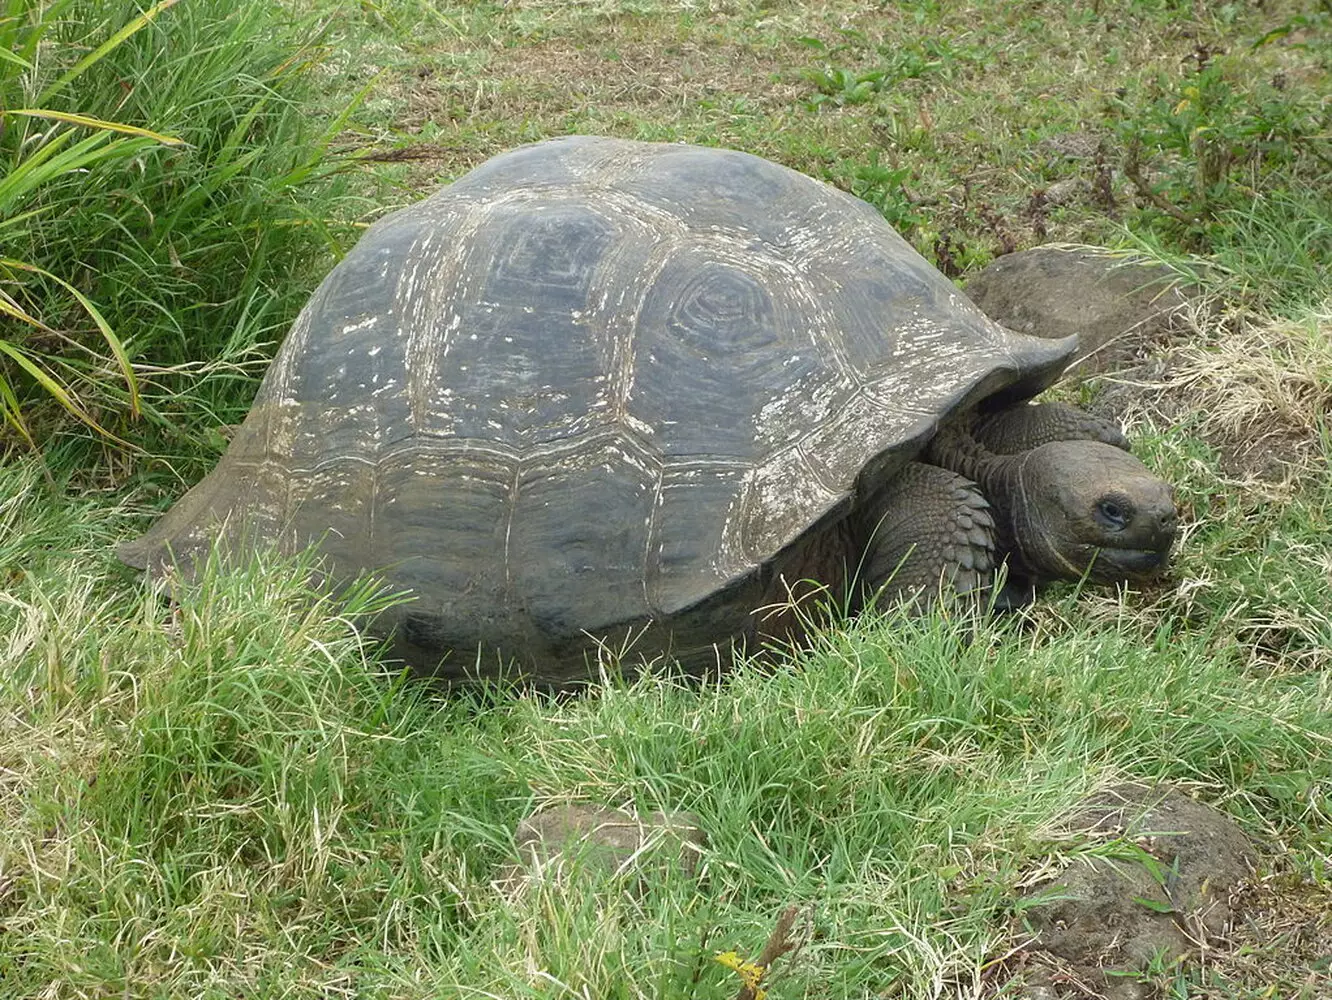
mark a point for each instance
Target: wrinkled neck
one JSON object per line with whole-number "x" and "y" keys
{"x": 955, "y": 448}
{"x": 999, "y": 477}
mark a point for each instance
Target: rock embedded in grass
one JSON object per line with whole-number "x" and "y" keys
{"x": 1156, "y": 902}
{"x": 1075, "y": 145}
{"x": 607, "y": 841}
{"x": 1065, "y": 192}
{"x": 1117, "y": 308}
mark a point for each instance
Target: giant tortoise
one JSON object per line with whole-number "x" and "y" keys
{"x": 610, "y": 397}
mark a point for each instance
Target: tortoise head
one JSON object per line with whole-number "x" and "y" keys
{"x": 1086, "y": 508}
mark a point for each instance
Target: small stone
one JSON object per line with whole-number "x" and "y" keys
{"x": 1074, "y": 145}
{"x": 1065, "y": 191}
{"x": 606, "y": 840}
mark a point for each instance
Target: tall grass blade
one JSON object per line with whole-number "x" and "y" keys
{"x": 157, "y": 180}
{"x": 19, "y": 61}
{"x": 79, "y": 68}
{"x": 51, "y": 163}
{"x": 90, "y": 122}
{"x": 57, "y": 391}
{"x": 10, "y": 308}
{"x": 13, "y": 412}
{"x": 112, "y": 341}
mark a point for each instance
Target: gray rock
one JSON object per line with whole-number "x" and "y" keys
{"x": 1122, "y": 913}
{"x": 1207, "y": 853}
{"x": 606, "y": 841}
{"x": 1116, "y": 308}
{"x": 1065, "y": 191}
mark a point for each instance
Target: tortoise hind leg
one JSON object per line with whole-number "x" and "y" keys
{"x": 928, "y": 533}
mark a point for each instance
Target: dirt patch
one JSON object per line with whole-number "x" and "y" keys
{"x": 1284, "y": 944}
{"x": 617, "y": 70}
{"x": 562, "y": 74}
{"x": 620, "y": 81}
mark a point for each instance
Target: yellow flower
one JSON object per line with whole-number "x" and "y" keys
{"x": 1191, "y": 96}
{"x": 750, "y": 974}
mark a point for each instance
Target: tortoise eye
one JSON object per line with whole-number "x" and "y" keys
{"x": 1113, "y": 513}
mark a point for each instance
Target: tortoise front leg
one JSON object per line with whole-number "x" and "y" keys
{"x": 928, "y": 532}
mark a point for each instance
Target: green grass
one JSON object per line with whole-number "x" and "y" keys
{"x": 235, "y": 795}
{"x": 957, "y": 119}
{"x": 192, "y": 251}
{"x": 229, "y": 795}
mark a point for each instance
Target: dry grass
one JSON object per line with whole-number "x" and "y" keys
{"x": 1262, "y": 392}
{"x": 1257, "y": 390}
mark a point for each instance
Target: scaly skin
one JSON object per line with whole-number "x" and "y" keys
{"x": 1065, "y": 508}
{"x": 926, "y": 529}
{"x": 1016, "y": 429}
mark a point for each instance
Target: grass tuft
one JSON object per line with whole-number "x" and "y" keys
{"x": 166, "y": 243}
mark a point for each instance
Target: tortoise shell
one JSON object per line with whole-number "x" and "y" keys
{"x": 595, "y": 384}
